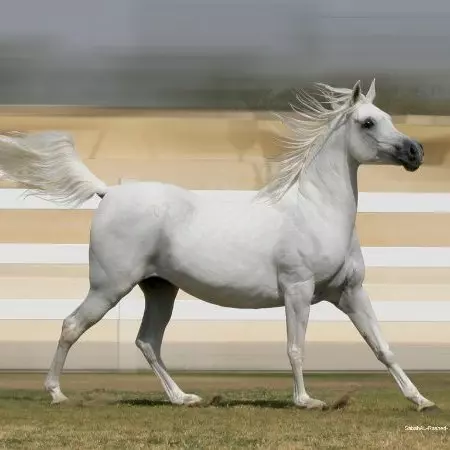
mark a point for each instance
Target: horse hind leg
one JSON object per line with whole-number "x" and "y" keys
{"x": 100, "y": 299}
{"x": 159, "y": 300}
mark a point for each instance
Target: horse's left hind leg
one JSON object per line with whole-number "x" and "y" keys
{"x": 159, "y": 299}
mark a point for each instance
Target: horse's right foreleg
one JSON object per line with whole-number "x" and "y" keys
{"x": 297, "y": 298}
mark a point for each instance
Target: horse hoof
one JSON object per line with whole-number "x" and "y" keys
{"x": 60, "y": 398}
{"x": 188, "y": 399}
{"x": 312, "y": 403}
{"x": 317, "y": 404}
{"x": 429, "y": 407}
{"x": 191, "y": 399}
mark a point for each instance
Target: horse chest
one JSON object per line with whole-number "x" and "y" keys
{"x": 331, "y": 243}
{"x": 328, "y": 258}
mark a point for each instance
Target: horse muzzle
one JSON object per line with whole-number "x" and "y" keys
{"x": 410, "y": 155}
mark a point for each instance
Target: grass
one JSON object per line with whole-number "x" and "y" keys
{"x": 255, "y": 411}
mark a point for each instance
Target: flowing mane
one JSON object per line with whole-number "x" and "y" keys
{"x": 311, "y": 125}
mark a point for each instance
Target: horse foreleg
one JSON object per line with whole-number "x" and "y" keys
{"x": 356, "y": 304}
{"x": 159, "y": 299}
{"x": 297, "y": 297}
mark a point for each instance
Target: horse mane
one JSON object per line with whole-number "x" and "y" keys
{"x": 311, "y": 126}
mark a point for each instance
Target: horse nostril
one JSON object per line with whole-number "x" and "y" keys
{"x": 413, "y": 152}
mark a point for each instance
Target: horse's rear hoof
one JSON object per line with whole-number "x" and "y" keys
{"x": 429, "y": 409}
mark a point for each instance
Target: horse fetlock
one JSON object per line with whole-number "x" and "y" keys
{"x": 52, "y": 387}
{"x": 51, "y": 383}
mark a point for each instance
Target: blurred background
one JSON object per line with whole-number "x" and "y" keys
{"x": 179, "y": 91}
{"x": 222, "y": 53}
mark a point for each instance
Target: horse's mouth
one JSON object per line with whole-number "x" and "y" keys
{"x": 411, "y": 168}
{"x": 411, "y": 157}
{"x": 410, "y": 165}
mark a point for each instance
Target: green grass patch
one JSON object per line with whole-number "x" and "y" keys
{"x": 251, "y": 411}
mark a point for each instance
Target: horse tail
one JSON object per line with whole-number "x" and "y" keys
{"x": 47, "y": 164}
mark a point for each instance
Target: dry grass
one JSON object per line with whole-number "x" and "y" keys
{"x": 254, "y": 411}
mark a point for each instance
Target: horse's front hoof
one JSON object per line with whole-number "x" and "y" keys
{"x": 188, "y": 399}
{"x": 192, "y": 399}
{"x": 311, "y": 403}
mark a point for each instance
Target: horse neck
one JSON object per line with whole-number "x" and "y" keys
{"x": 329, "y": 185}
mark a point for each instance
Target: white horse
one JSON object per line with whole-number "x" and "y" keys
{"x": 295, "y": 244}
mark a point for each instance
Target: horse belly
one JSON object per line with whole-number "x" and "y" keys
{"x": 223, "y": 254}
{"x": 243, "y": 297}
{"x": 224, "y": 281}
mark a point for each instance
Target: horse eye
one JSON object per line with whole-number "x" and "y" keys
{"x": 368, "y": 123}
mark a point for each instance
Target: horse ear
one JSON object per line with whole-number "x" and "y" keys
{"x": 370, "y": 96}
{"x": 356, "y": 93}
